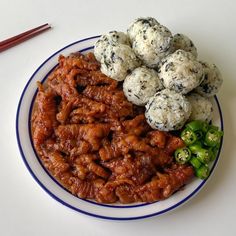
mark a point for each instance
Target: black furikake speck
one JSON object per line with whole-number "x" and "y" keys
{"x": 113, "y": 32}
{"x": 206, "y": 88}
{"x": 143, "y": 87}
{"x": 179, "y": 87}
{"x": 106, "y": 63}
{"x": 145, "y": 22}
{"x": 169, "y": 66}
{"x": 163, "y": 62}
{"x": 149, "y": 105}
{"x": 113, "y": 57}
{"x": 191, "y": 43}
{"x": 193, "y": 70}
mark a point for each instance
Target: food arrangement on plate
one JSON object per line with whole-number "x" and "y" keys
{"x": 131, "y": 122}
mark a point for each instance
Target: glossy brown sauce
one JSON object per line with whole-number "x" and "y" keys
{"x": 96, "y": 143}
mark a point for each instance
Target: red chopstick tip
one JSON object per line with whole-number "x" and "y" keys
{"x": 13, "y": 41}
{"x": 48, "y": 25}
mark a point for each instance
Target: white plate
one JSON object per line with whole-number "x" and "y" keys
{"x": 52, "y": 187}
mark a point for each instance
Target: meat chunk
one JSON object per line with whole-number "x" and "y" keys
{"x": 92, "y": 133}
{"x": 114, "y": 98}
{"x": 165, "y": 184}
{"x": 44, "y": 117}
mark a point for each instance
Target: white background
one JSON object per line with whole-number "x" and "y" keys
{"x": 25, "y": 209}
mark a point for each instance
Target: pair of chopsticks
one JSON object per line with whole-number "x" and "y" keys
{"x": 13, "y": 41}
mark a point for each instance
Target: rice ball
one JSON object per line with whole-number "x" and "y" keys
{"x": 141, "y": 85}
{"x": 140, "y": 24}
{"x": 113, "y": 37}
{"x": 167, "y": 110}
{"x": 181, "y": 72}
{"x": 212, "y": 80}
{"x": 202, "y": 107}
{"x": 181, "y": 41}
{"x": 152, "y": 44}
{"x": 118, "y": 61}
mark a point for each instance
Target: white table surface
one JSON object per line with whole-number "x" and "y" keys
{"x": 25, "y": 209}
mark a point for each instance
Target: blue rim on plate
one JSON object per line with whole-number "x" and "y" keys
{"x": 102, "y": 205}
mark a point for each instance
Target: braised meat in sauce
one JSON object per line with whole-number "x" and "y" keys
{"x": 96, "y": 143}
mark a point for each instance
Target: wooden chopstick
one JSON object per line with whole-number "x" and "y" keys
{"x": 13, "y": 41}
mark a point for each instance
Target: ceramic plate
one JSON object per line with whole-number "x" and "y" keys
{"x": 52, "y": 187}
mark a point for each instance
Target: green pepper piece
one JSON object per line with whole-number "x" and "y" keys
{"x": 199, "y": 134}
{"x": 214, "y": 150}
{"x": 182, "y": 155}
{"x": 204, "y": 155}
{"x": 188, "y": 136}
{"x": 202, "y": 172}
{"x": 213, "y": 137}
{"x": 196, "y": 147}
{"x": 213, "y": 127}
{"x": 195, "y": 162}
{"x": 195, "y": 125}
{"x": 205, "y": 127}
{"x": 198, "y": 125}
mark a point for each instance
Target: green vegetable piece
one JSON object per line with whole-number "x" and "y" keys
{"x": 188, "y": 136}
{"x": 205, "y": 127}
{"x": 202, "y": 172}
{"x": 196, "y": 147}
{"x": 214, "y": 151}
{"x": 195, "y": 125}
{"x": 182, "y": 155}
{"x": 198, "y": 125}
{"x": 214, "y": 127}
{"x": 199, "y": 134}
{"x": 213, "y": 137}
{"x": 204, "y": 155}
{"x": 195, "y": 162}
